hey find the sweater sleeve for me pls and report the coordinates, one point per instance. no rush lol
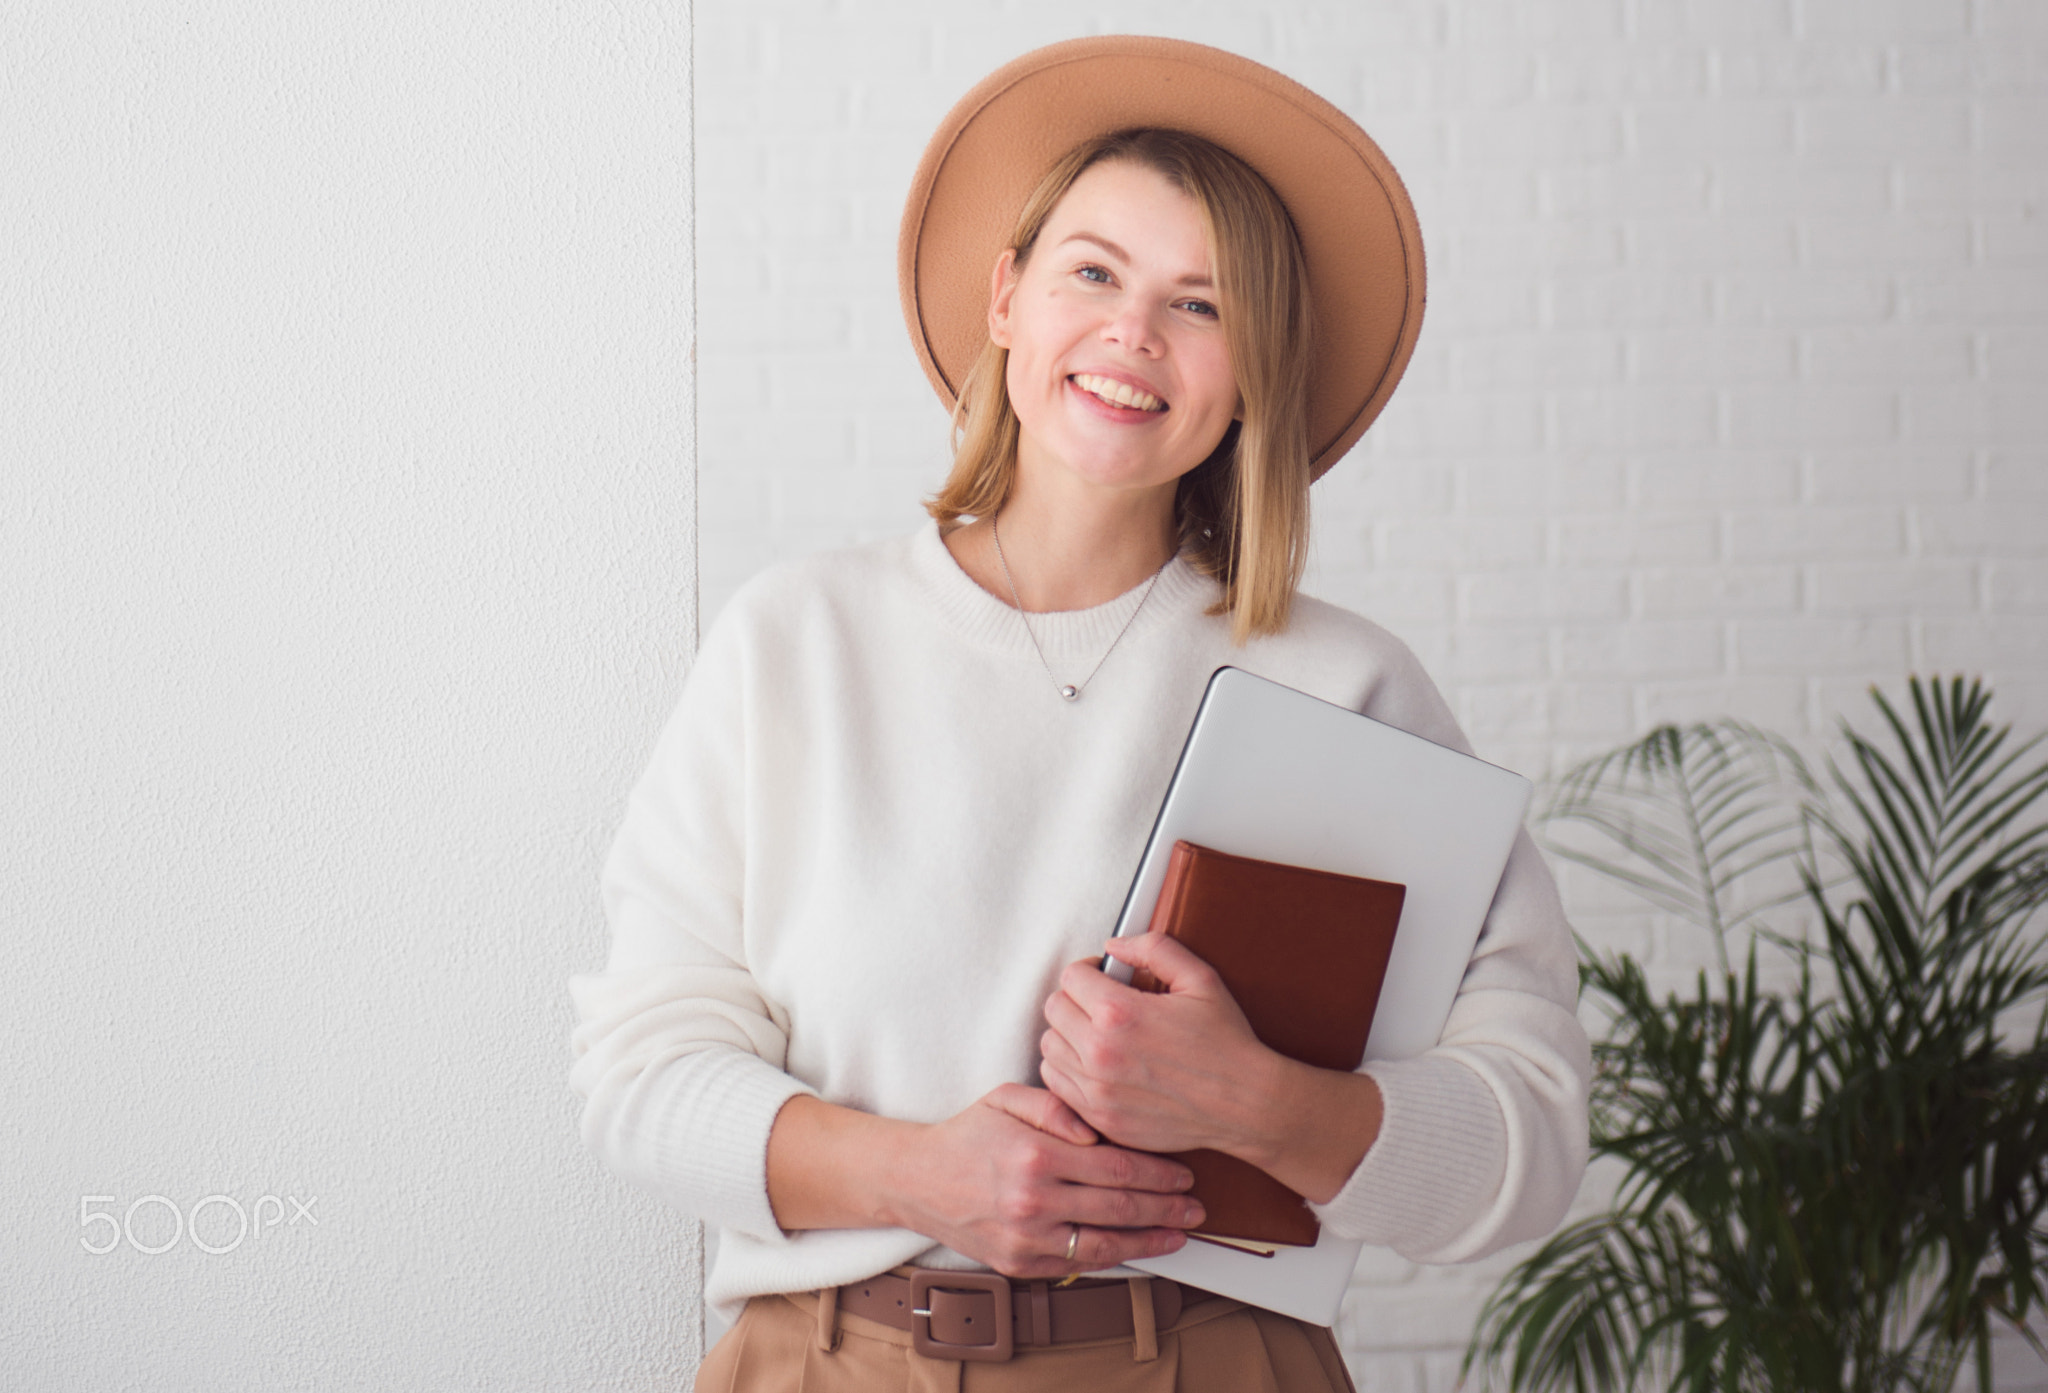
(1483, 1139)
(678, 1053)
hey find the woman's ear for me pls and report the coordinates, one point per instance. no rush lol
(1001, 290)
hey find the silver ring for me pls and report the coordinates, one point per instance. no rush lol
(1073, 1241)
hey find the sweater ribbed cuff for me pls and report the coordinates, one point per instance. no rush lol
(701, 1138)
(1442, 1143)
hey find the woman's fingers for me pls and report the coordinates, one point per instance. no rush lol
(1108, 1167)
(1064, 1015)
(1176, 966)
(1083, 1160)
(1038, 1108)
(1136, 1210)
(1021, 1173)
(1094, 1249)
(1056, 1051)
(1100, 1248)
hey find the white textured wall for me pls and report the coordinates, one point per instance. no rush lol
(1730, 397)
(346, 566)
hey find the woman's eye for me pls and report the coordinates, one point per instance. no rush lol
(1093, 273)
(1200, 307)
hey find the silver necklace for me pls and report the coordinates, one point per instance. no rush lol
(1069, 690)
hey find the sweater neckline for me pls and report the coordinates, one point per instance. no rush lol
(1069, 633)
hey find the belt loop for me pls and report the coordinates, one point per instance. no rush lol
(828, 1318)
(1144, 1329)
(1041, 1313)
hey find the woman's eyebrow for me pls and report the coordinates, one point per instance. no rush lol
(1121, 255)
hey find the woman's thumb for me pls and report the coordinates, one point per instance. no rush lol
(1042, 1110)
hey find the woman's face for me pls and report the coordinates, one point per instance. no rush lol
(1118, 369)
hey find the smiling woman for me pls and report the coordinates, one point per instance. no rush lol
(852, 1014)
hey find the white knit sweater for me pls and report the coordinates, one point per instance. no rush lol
(872, 834)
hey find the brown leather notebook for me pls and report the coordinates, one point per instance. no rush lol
(1304, 952)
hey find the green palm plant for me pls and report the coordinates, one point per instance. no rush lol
(1838, 1184)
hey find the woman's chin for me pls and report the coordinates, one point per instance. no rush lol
(1122, 476)
(1114, 466)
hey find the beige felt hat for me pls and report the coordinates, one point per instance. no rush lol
(1357, 227)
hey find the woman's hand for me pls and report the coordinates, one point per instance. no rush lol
(1163, 1072)
(1006, 1181)
(1182, 1069)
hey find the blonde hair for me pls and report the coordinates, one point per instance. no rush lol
(1242, 512)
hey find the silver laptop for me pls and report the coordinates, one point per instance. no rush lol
(1277, 774)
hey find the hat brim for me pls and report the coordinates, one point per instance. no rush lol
(1358, 230)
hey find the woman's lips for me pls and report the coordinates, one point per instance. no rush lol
(1120, 397)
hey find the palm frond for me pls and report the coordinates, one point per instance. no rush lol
(1690, 817)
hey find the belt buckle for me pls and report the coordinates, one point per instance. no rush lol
(925, 1280)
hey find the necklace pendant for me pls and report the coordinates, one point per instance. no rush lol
(1067, 690)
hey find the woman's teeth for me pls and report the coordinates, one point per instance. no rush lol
(1117, 393)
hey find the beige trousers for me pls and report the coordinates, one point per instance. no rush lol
(1217, 1346)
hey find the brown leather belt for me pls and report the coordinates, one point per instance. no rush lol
(986, 1316)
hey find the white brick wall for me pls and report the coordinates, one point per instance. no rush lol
(1730, 398)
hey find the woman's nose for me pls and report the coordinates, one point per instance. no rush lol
(1132, 325)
